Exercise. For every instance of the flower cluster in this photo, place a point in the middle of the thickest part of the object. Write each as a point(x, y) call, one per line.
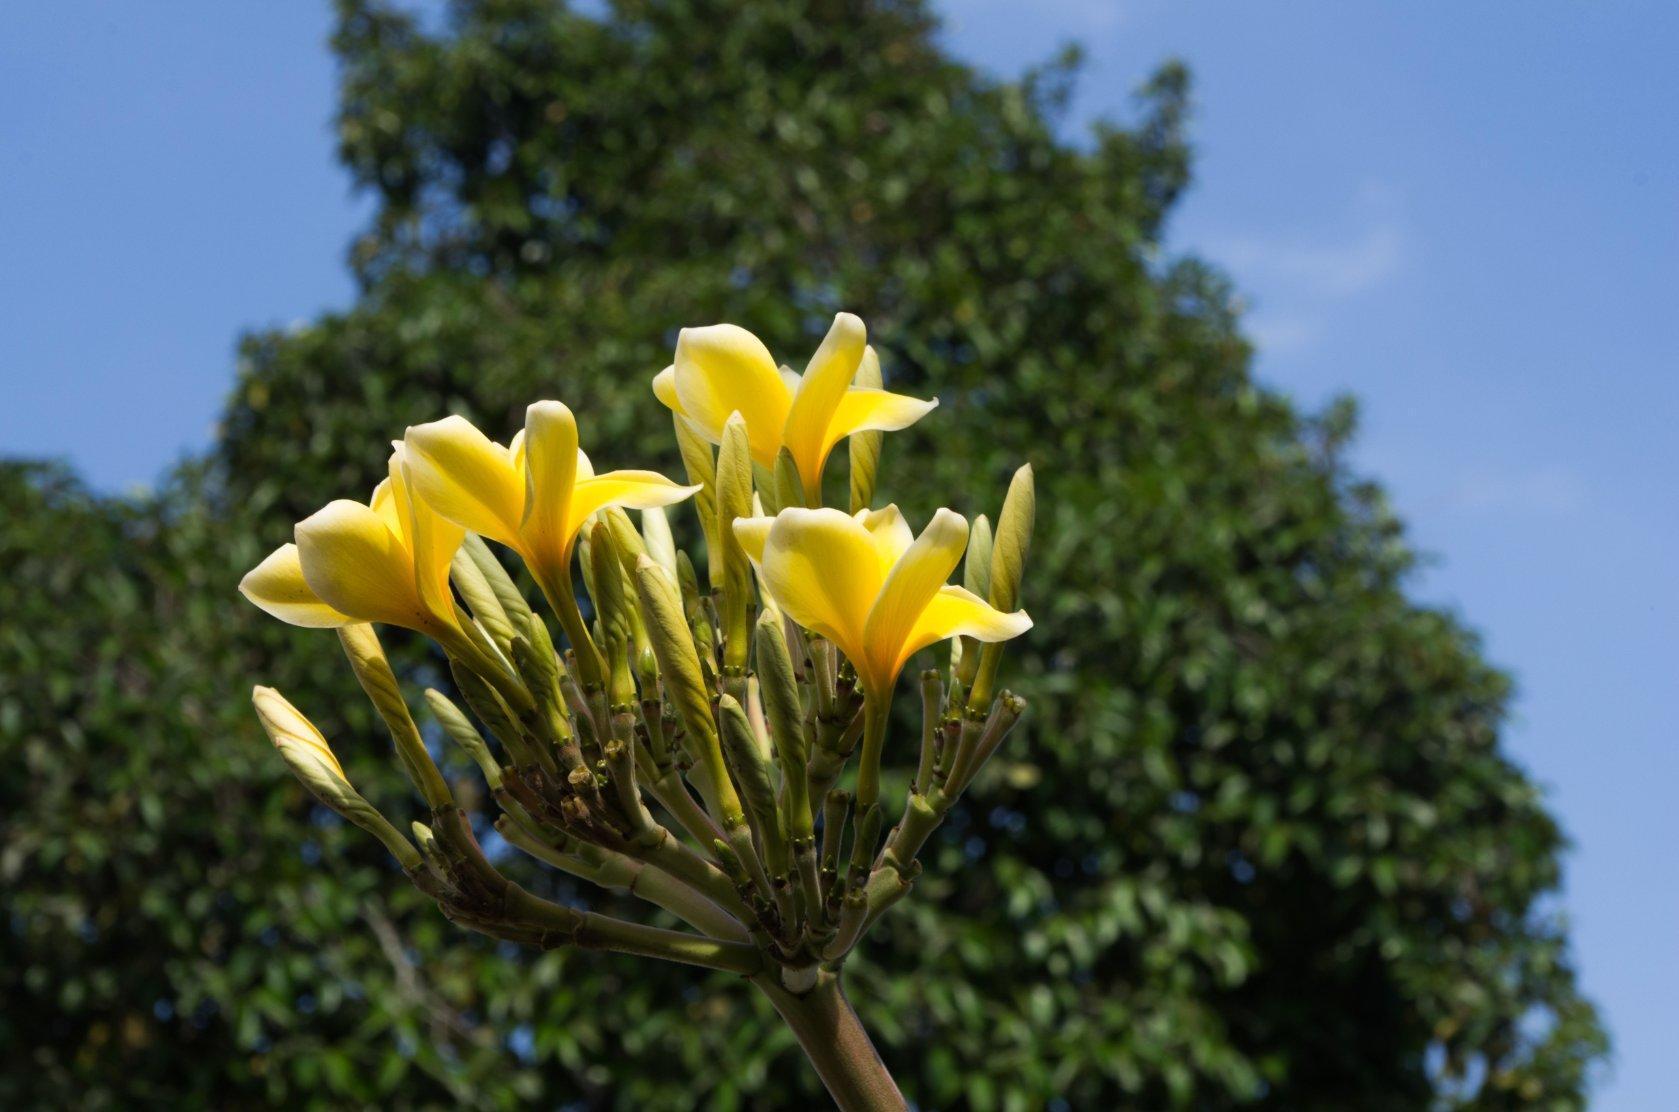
point(686, 744)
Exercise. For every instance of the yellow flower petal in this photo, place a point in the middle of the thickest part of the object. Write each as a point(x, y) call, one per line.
point(385, 504)
point(821, 569)
point(863, 408)
point(433, 541)
point(724, 369)
point(890, 532)
point(468, 478)
point(551, 459)
point(278, 587)
point(664, 388)
point(908, 590)
point(956, 611)
point(634, 490)
point(753, 533)
point(355, 564)
point(825, 382)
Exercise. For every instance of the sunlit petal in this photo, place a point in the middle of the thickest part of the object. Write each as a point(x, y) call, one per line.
point(384, 503)
point(434, 541)
point(862, 408)
point(551, 457)
point(723, 369)
point(890, 532)
point(278, 587)
point(633, 490)
point(825, 382)
point(956, 611)
point(664, 388)
point(914, 580)
point(467, 477)
point(353, 563)
point(753, 533)
point(822, 570)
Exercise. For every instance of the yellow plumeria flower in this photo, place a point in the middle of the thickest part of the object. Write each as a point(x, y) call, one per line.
point(532, 495)
point(861, 582)
point(724, 369)
point(383, 561)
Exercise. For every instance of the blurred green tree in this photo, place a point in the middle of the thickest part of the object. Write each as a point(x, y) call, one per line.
point(1256, 844)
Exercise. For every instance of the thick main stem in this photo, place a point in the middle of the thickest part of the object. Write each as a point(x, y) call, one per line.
point(834, 1040)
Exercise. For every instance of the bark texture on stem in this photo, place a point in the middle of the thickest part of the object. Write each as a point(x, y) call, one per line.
point(834, 1040)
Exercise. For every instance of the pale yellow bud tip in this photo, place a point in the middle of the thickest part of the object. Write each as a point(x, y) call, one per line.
point(294, 735)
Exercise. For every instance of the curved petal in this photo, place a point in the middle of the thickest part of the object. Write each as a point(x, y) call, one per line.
point(753, 533)
point(664, 388)
point(722, 369)
point(395, 516)
point(353, 563)
point(634, 490)
point(468, 478)
point(434, 540)
point(551, 457)
point(821, 569)
point(825, 382)
point(909, 589)
point(863, 408)
point(890, 532)
point(958, 612)
point(277, 586)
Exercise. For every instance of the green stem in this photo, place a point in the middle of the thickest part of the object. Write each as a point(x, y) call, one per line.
point(593, 931)
point(876, 709)
point(834, 1040)
point(562, 598)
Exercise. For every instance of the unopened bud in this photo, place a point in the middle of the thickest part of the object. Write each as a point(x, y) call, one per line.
point(789, 487)
point(655, 532)
point(480, 599)
point(464, 734)
point(507, 593)
point(311, 760)
point(1013, 541)
point(731, 574)
point(785, 711)
point(701, 467)
point(751, 771)
point(679, 661)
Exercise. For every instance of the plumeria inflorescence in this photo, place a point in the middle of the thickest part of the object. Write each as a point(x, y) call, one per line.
point(686, 745)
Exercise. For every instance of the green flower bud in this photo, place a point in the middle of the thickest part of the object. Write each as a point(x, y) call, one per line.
point(462, 732)
point(655, 531)
point(751, 771)
point(731, 573)
point(1014, 540)
point(785, 711)
point(507, 593)
point(481, 599)
point(311, 760)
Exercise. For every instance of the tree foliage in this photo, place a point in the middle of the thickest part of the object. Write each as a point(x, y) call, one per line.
point(1256, 843)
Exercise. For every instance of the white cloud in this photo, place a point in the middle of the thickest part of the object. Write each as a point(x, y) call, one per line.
point(1317, 269)
point(1281, 334)
point(1063, 19)
point(1552, 490)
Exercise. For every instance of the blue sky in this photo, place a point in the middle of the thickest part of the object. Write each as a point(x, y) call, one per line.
point(1466, 215)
